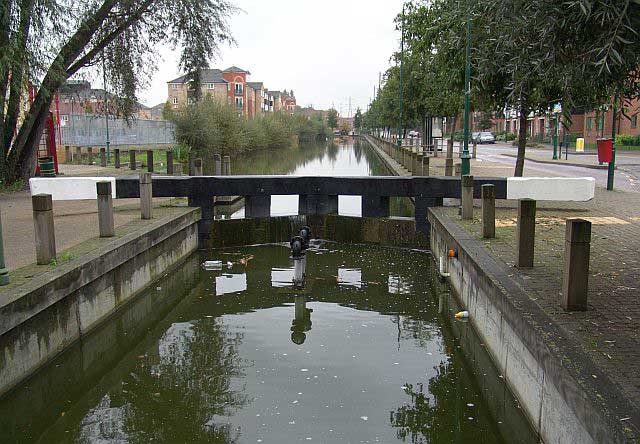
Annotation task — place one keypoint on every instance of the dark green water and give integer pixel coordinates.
(215, 357)
(349, 158)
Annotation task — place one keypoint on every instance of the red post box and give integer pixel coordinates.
(605, 150)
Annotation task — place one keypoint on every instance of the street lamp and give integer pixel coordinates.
(465, 167)
(399, 142)
(612, 165)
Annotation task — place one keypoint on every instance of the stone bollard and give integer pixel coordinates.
(146, 194)
(4, 273)
(526, 232)
(106, 226)
(488, 211)
(467, 197)
(191, 160)
(132, 159)
(67, 154)
(575, 280)
(89, 155)
(217, 165)
(170, 162)
(197, 167)
(43, 223)
(103, 157)
(116, 158)
(448, 167)
(475, 149)
(226, 166)
(78, 157)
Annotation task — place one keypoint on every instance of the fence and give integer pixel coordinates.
(92, 131)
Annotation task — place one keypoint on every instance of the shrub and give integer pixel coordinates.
(627, 140)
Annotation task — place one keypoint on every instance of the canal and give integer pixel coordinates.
(350, 157)
(215, 356)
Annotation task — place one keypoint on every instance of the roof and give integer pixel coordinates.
(255, 85)
(206, 76)
(236, 69)
(275, 93)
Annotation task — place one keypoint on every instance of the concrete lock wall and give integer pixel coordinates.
(42, 320)
(558, 406)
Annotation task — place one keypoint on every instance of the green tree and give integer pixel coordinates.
(358, 120)
(332, 119)
(167, 111)
(44, 42)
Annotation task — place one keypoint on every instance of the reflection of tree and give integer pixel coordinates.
(436, 415)
(185, 395)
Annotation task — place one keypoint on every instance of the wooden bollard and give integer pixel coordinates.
(78, 158)
(457, 169)
(106, 226)
(43, 224)
(132, 159)
(488, 194)
(146, 194)
(170, 162)
(116, 158)
(89, 155)
(467, 197)
(474, 153)
(191, 160)
(425, 165)
(150, 161)
(103, 157)
(575, 280)
(226, 166)
(67, 154)
(526, 232)
(197, 167)
(217, 165)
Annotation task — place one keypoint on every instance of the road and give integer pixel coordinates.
(627, 176)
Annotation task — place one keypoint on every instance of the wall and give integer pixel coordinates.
(50, 313)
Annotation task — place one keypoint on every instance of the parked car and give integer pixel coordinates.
(486, 137)
(475, 135)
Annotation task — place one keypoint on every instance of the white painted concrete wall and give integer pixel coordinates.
(70, 188)
(571, 189)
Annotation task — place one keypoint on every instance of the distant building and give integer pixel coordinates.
(212, 83)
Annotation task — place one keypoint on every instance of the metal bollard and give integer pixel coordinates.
(146, 193)
(103, 157)
(106, 226)
(575, 280)
(488, 211)
(526, 232)
(116, 158)
(197, 167)
(43, 224)
(4, 273)
(170, 162)
(226, 166)
(132, 159)
(467, 197)
(150, 161)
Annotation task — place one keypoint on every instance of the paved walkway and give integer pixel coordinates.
(609, 332)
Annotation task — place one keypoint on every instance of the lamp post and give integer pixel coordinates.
(4, 273)
(106, 105)
(612, 164)
(398, 141)
(465, 167)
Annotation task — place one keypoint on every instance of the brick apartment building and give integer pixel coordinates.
(231, 86)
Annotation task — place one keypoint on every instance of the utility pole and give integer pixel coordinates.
(399, 142)
(465, 167)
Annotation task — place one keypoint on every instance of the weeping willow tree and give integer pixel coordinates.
(44, 42)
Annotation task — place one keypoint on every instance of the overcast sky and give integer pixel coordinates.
(325, 50)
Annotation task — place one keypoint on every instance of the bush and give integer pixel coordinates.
(506, 137)
(628, 140)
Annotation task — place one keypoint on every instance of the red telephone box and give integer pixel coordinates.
(605, 150)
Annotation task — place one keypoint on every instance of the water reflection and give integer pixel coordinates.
(244, 365)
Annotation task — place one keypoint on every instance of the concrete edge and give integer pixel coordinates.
(394, 167)
(561, 357)
(566, 163)
(26, 301)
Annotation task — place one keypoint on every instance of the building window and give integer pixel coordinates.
(598, 124)
(175, 100)
(589, 123)
(634, 121)
(190, 100)
(174, 86)
(239, 89)
(210, 86)
(238, 102)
